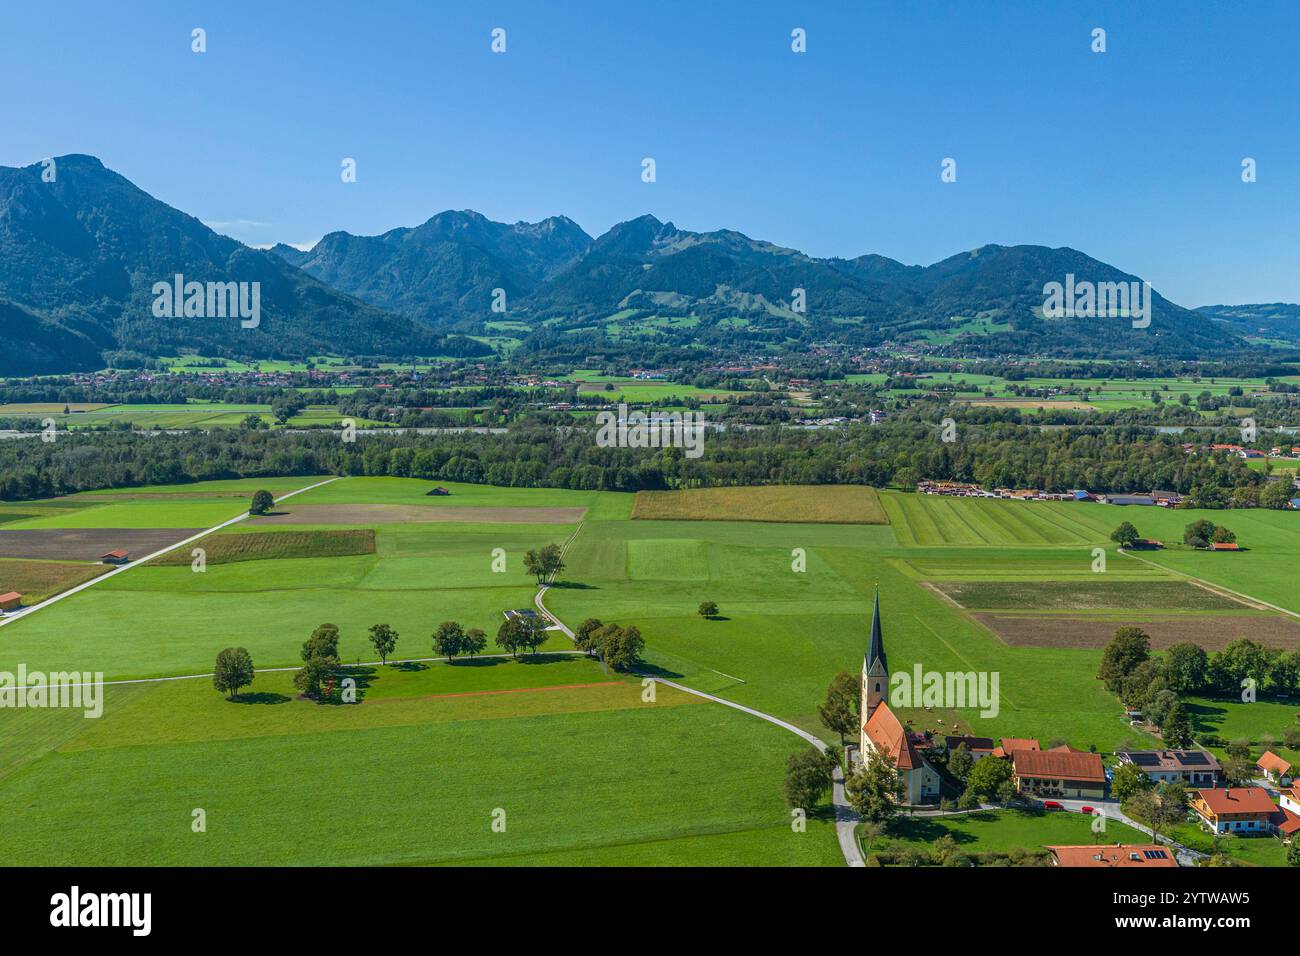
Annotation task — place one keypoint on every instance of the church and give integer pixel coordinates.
(881, 730)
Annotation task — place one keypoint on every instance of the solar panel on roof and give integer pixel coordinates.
(1145, 760)
(1195, 760)
(1154, 854)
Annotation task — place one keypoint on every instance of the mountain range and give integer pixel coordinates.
(79, 257)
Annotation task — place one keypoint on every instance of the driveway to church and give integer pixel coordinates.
(846, 820)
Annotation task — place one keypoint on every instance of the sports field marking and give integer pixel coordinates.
(10, 618)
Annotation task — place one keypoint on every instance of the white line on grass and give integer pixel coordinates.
(10, 618)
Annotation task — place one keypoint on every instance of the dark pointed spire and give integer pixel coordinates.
(876, 648)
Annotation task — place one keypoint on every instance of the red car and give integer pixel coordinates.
(1087, 809)
(1052, 805)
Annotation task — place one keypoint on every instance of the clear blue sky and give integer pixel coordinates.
(1132, 156)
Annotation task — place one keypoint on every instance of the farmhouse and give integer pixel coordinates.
(1142, 856)
(882, 730)
(117, 556)
(11, 601)
(1225, 546)
(1058, 773)
(1274, 768)
(1234, 810)
(1194, 768)
(978, 746)
(1011, 744)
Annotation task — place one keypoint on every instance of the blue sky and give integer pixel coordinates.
(1132, 155)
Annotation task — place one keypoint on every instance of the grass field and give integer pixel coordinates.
(405, 779)
(936, 520)
(998, 832)
(681, 782)
(823, 504)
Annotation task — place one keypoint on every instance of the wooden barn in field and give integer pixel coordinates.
(438, 492)
(116, 556)
(11, 601)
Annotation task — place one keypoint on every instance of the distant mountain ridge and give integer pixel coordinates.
(449, 265)
(79, 256)
(739, 289)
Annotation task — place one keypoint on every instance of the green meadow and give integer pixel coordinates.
(432, 748)
(407, 780)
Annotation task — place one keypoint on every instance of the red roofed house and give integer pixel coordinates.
(883, 731)
(11, 601)
(1234, 810)
(1225, 546)
(117, 556)
(1274, 768)
(1145, 856)
(1058, 773)
(1011, 744)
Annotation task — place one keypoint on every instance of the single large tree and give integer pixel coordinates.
(1198, 533)
(807, 778)
(449, 640)
(875, 788)
(1125, 534)
(1128, 781)
(623, 649)
(986, 779)
(1128, 648)
(708, 609)
(512, 636)
(384, 640)
(1176, 731)
(544, 562)
(584, 638)
(839, 711)
(323, 642)
(1185, 668)
(960, 762)
(262, 503)
(314, 674)
(475, 641)
(234, 669)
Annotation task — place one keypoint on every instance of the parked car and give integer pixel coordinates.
(1086, 809)
(1052, 805)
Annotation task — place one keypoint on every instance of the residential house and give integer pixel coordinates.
(1011, 744)
(1141, 855)
(1194, 768)
(1058, 773)
(1274, 768)
(1235, 810)
(978, 746)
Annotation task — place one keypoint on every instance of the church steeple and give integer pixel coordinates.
(876, 647)
(875, 667)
